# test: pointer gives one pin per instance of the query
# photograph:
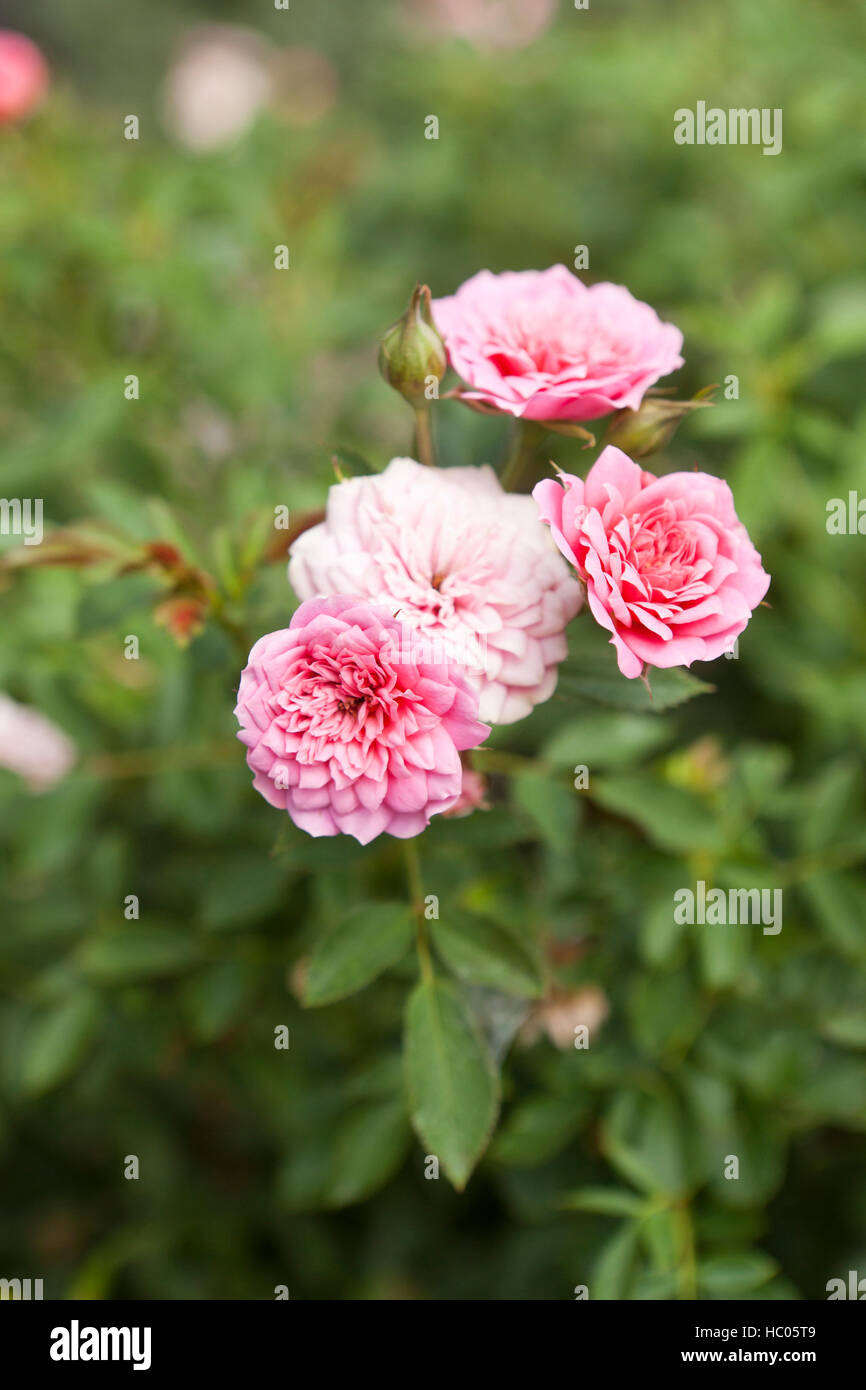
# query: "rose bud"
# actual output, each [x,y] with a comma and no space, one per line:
[411,352]
[640,433]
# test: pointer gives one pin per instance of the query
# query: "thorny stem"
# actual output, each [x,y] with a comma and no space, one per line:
[416,898]
[424,436]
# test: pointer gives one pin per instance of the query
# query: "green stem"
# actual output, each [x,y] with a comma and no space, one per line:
[424,436]
[416,898]
[519,473]
[687,1272]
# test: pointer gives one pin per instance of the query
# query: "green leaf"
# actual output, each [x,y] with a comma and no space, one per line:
[552,807]
[612,1271]
[642,1137]
[846,1028]
[370,1147]
[243,889]
[729,1276]
[537,1129]
[605,1201]
[605,738]
[373,937]
[214,997]
[453,1085]
[137,953]
[663,1011]
[671,818]
[487,954]
[57,1042]
[591,672]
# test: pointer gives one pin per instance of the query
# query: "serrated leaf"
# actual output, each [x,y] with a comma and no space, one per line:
[482,951]
[453,1085]
[371,938]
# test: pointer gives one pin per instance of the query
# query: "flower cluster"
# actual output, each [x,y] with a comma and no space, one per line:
[435,602]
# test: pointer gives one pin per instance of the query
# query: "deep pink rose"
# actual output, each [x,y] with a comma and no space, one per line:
[349,728]
[23,76]
[668,565]
[542,345]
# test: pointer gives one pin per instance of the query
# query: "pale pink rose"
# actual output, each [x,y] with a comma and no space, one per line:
[472,795]
[217,85]
[487,24]
[347,733]
[32,746]
[23,76]
[669,568]
[541,345]
[461,560]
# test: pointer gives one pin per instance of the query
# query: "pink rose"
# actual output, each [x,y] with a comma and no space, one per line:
[668,566]
[32,746]
[349,728]
[463,561]
[541,345]
[473,795]
[23,76]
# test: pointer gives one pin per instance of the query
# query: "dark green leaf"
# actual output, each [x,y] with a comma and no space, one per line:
[373,937]
[453,1086]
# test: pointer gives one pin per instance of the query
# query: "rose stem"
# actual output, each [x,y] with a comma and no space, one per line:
[416,897]
[520,467]
[424,436]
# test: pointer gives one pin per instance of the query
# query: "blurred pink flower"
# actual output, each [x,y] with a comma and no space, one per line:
[669,568]
[347,732]
[486,23]
[32,746]
[461,560]
[541,345]
[216,86]
[23,76]
[472,794]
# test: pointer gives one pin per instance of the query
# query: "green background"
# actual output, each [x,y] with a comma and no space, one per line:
[155,1038]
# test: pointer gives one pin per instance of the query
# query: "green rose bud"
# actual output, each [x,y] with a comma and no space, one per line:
[412,355]
[642,432]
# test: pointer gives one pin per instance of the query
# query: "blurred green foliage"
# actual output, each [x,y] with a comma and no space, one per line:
[155,1036]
